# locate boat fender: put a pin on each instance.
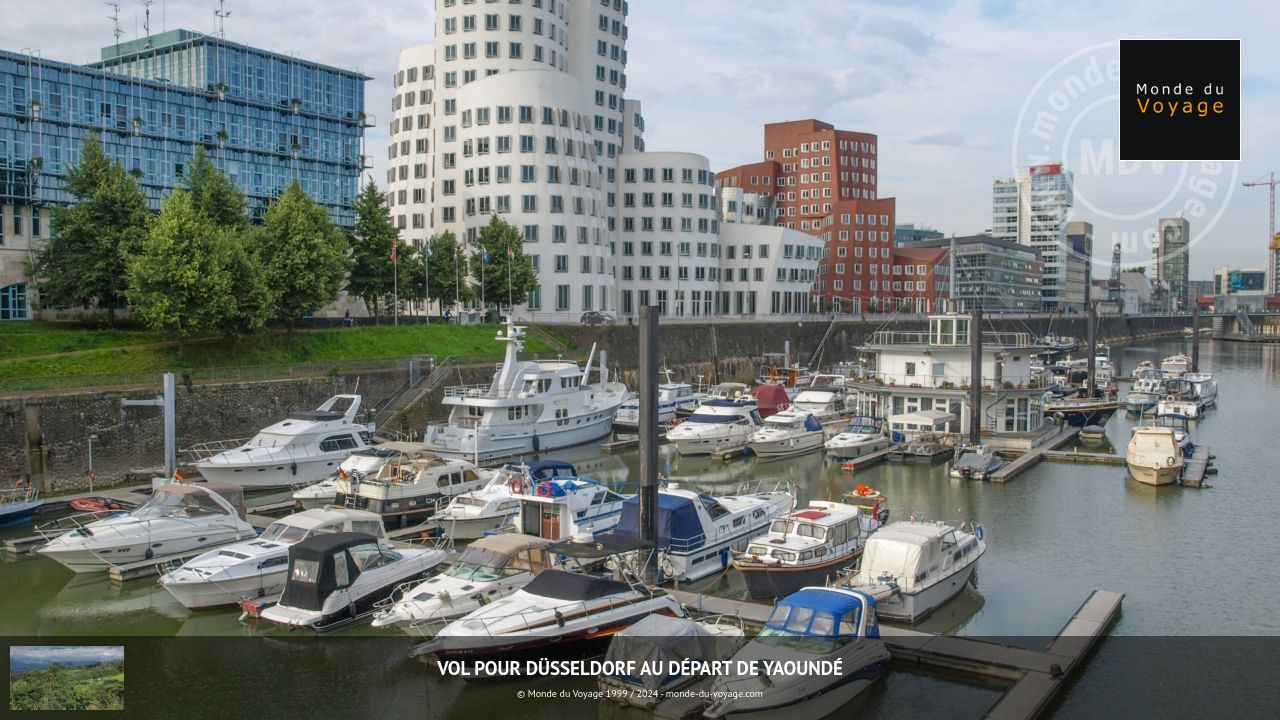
(559, 618)
(544, 489)
(148, 554)
(979, 532)
(724, 557)
(293, 467)
(536, 448)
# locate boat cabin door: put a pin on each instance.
(550, 523)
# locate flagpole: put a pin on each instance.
(395, 270)
(457, 282)
(426, 278)
(510, 259)
(483, 262)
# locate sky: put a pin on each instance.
(943, 83)
(29, 656)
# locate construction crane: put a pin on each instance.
(1273, 247)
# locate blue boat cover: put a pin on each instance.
(819, 611)
(677, 519)
(811, 424)
(543, 469)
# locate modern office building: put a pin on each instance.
(1080, 241)
(264, 118)
(1172, 260)
(767, 269)
(823, 181)
(992, 274)
(1032, 209)
(907, 234)
(518, 110)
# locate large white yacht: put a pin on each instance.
(828, 403)
(716, 425)
(912, 568)
(258, 567)
(790, 432)
(407, 492)
(531, 406)
(178, 518)
(697, 533)
(303, 448)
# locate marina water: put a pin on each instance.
(1055, 533)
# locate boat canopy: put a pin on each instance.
(205, 496)
(520, 552)
(678, 522)
(664, 640)
(822, 612)
(563, 585)
(544, 469)
(770, 398)
(321, 564)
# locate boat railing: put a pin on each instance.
(19, 495)
(205, 450)
(81, 521)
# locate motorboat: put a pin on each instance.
(926, 447)
(530, 406)
(18, 504)
(1058, 345)
(666, 642)
(837, 625)
(492, 507)
(1181, 431)
(98, 504)
(362, 463)
(673, 399)
(178, 518)
(1079, 412)
(555, 503)
(729, 391)
(828, 403)
(305, 447)
(912, 568)
(559, 614)
(698, 532)
(975, 462)
(792, 378)
(336, 578)
(806, 547)
(1175, 365)
(488, 569)
(1153, 456)
(790, 432)
(404, 493)
(1182, 399)
(1203, 388)
(1145, 392)
(862, 436)
(717, 425)
(1093, 434)
(258, 567)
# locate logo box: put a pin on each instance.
(1180, 100)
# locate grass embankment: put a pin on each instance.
(46, 350)
(69, 687)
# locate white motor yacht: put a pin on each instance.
(715, 426)
(789, 432)
(806, 547)
(1175, 365)
(408, 492)
(829, 403)
(559, 614)
(557, 504)
(305, 447)
(362, 463)
(912, 568)
(336, 578)
(975, 462)
(812, 624)
(697, 533)
(178, 518)
(474, 513)
(488, 569)
(531, 406)
(258, 567)
(862, 436)
(1203, 387)
(673, 398)
(1153, 456)
(18, 504)
(1145, 392)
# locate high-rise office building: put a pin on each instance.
(822, 181)
(1032, 209)
(1173, 260)
(264, 118)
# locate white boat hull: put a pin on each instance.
(911, 607)
(708, 443)
(97, 558)
(459, 443)
(470, 528)
(793, 445)
(277, 473)
(1155, 475)
(213, 593)
(854, 450)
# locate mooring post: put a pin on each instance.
(1092, 319)
(170, 427)
(975, 370)
(648, 377)
(1195, 337)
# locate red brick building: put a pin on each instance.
(823, 181)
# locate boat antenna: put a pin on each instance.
(787, 528)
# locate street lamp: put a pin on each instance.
(92, 437)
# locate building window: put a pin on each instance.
(562, 297)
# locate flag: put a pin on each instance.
(428, 250)
(393, 254)
(511, 254)
(177, 475)
(486, 257)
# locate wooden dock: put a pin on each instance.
(626, 443)
(731, 454)
(1032, 457)
(1197, 467)
(857, 463)
(1036, 676)
(1083, 457)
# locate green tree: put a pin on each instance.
(504, 246)
(178, 282)
(252, 300)
(447, 268)
(371, 274)
(84, 262)
(304, 255)
(213, 194)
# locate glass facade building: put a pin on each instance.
(264, 118)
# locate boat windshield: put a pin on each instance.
(168, 504)
(283, 532)
(710, 419)
(805, 629)
(802, 529)
(481, 565)
(861, 429)
(266, 439)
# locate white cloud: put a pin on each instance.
(28, 654)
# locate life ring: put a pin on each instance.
(863, 490)
(543, 489)
(516, 484)
(1170, 398)
(1171, 460)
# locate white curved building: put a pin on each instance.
(411, 168)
